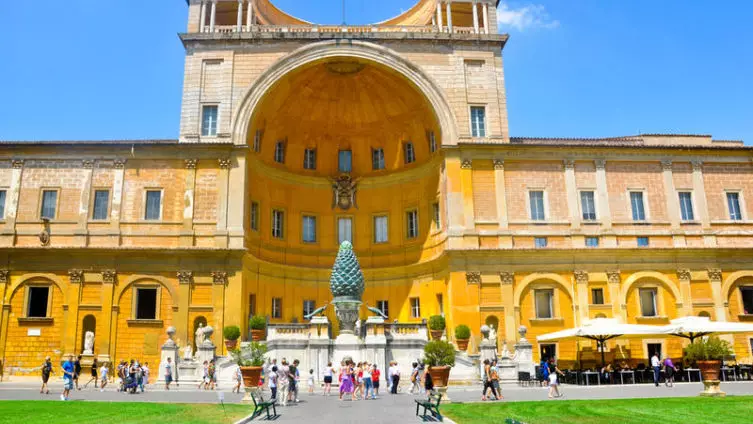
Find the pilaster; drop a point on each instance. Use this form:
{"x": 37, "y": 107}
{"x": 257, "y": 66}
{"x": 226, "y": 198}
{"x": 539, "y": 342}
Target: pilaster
{"x": 70, "y": 323}
{"x": 605, "y": 215}
{"x": 185, "y": 282}
{"x": 501, "y": 193}
{"x": 673, "y": 202}
{"x": 222, "y": 199}
{"x": 581, "y": 284}
{"x": 83, "y": 210}
{"x": 613, "y": 281}
{"x": 105, "y": 341}
{"x": 117, "y": 194}
{"x": 572, "y": 194}
{"x": 699, "y": 194}
{"x": 186, "y": 234}
{"x": 454, "y": 202}
{"x": 4, "y": 281}
{"x": 466, "y": 188}
{"x": 720, "y": 304}
{"x": 684, "y": 277}
{"x": 219, "y": 282}
{"x": 507, "y": 280}
{"x": 11, "y": 208}
{"x": 236, "y": 203}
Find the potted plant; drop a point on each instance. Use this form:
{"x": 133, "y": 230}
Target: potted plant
{"x": 439, "y": 356}
{"x": 462, "y": 335}
{"x": 250, "y": 359}
{"x": 231, "y": 333}
{"x": 436, "y": 326}
{"x": 258, "y": 325}
{"x": 707, "y": 355}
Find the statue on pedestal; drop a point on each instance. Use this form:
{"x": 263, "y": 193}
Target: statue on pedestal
{"x": 89, "y": 343}
{"x": 492, "y": 335}
{"x": 199, "y": 336}
{"x": 188, "y": 352}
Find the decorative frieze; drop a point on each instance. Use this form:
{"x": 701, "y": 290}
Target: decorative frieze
{"x": 219, "y": 277}
{"x": 473, "y": 277}
{"x": 466, "y": 164}
{"x": 76, "y": 276}
{"x": 507, "y": 277}
{"x": 613, "y": 276}
{"x": 715, "y": 274}
{"x": 109, "y": 276}
{"x": 581, "y": 276}
{"x": 185, "y": 277}
{"x": 683, "y": 274}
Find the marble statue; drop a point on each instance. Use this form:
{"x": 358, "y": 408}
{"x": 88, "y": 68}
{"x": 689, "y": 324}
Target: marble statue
{"x": 188, "y": 352}
{"x": 89, "y": 343}
{"x": 492, "y": 334}
{"x": 200, "y": 335}
{"x": 505, "y": 351}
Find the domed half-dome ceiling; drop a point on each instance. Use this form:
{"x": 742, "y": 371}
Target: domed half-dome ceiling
{"x": 344, "y": 104}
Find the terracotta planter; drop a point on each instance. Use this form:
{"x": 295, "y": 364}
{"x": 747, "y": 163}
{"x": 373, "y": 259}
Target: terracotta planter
{"x": 436, "y": 334}
{"x": 709, "y": 369}
{"x": 251, "y": 376}
{"x": 440, "y": 376}
{"x": 231, "y": 344}
{"x": 462, "y": 344}
{"x": 257, "y": 335}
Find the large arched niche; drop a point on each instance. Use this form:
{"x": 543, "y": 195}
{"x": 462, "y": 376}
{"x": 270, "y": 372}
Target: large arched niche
{"x": 344, "y": 103}
{"x": 353, "y": 50}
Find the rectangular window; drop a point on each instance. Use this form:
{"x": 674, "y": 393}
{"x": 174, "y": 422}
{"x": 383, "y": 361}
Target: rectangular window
{"x": 257, "y": 140}
{"x": 280, "y": 152}
{"x": 255, "y": 216}
{"x": 544, "y": 303}
{"x": 440, "y": 303}
{"x": 539, "y": 242}
{"x": 478, "y": 121}
{"x": 432, "y": 141}
{"x": 377, "y": 159}
{"x": 278, "y": 223}
{"x": 308, "y": 307}
{"x": 642, "y": 241}
{"x": 344, "y": 229}
{"x": 345, "y": 161}
{"x": 209, "y": 121}
{"x": 411, "y": 222}
{"x": 536, "y": 200}
{"x": 38, "y": 302}
{"x": 49, "y": 204}
{"x": 415, "y": 307}
{"x": 435, "y": 215}
{"x": 588, "y": 205}
{"x": 251, "y": 304}
{"x": 384, "y": 306}
{"x": 409, "y": 153}
{"x": 309, "y": 229}
{"x": 153, "y": 210}
{"x": 597, "y": 296}
{"x": 648, "y": 302}
{"x": 733, "y": 205}
{"x": 2, "y": 204}
{"x": 101, "y": 204}
{"x": 309, "y": 159}
{"x": 592, "y": 242}
{"x": 276, "y": 307}
{"x": 686, "y": 205}
{"x": 380, "y": 229}
{"x": 636, "y": 204}
{"x": 146, "y": 303}
{"x": 747, "y": 295}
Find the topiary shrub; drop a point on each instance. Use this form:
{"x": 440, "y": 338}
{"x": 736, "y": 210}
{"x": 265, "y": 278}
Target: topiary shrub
{"x": 251, "y": 355}
{"x": 711, "y": 349}
{"x": 231, "y": 332}
{"x": 257, "y": 323}
{"x": 438, "y": 353}
{"x": 437, "y": 323}
{"x": 462, "y": 332}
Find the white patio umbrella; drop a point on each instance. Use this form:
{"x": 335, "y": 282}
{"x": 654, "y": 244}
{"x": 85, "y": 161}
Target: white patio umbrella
{"x": 692, "y": 327}
{"x": 603, "y": 329}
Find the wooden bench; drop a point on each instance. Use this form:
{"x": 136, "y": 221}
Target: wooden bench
{"x": 260, "y": 405}
{"x": 431, "y": 405}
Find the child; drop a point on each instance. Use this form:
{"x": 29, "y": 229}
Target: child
{"x": 273, "y": 383}
{"x": 311, "y": 381}
{"x": 103, "y": 375}
{"x": 238, "y": 380}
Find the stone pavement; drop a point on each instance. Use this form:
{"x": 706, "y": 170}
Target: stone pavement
{"x": 386, "y": 409}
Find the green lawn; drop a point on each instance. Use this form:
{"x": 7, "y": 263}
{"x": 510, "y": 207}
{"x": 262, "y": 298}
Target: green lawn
{"x": 73, "y": 412}
{"x": 733, "y": 409}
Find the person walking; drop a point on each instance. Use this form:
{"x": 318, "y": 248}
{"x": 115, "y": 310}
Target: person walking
{"x": 69, "y": 370}
{"x": 103, "y": 376}
{"x": 494, "y": 376}
{"x": 367, "y": 382}
{"x": 46, "y": 371}
{"x": 554, "y": 371}
{"x": 145, "y": 372}
{"x": 212, "y": 373}
{"x": 415, "y": 379}
{"x": 168, "y": 373}
{"x": 375, "y": 374}
{"x": 346, "y": 384}
{"x": 272, "y": 382}
{"x": 238, "y": 377}
{"x": 295, "y": 380}
{"x": 486, "y": 378}
{"x": 77, "y": 371}
{"x": 656, "y": 365}
{"x": 283, "y": 382}
{"x": 358, "y": 373}
{"x": 428, "y": 382}
{"x": 94, "y": 370}
{"x": 395, "y": 378}
{"x": 669, "y": 372}
{"x": 328, "y": 371}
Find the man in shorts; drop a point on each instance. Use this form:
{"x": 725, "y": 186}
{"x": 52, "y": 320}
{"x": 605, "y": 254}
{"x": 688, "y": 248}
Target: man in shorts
{"x": 46, "y": 371}
{"x": 69, "y": 370}
{"x": 168, "y": 373}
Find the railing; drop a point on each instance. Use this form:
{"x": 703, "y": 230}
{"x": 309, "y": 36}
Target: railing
{"x": 407, "y": 331}
{"x": 351, "y": 29}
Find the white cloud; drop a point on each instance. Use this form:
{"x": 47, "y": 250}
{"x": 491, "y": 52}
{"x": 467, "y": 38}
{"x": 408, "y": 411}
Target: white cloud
{"x": 524, "y": 17}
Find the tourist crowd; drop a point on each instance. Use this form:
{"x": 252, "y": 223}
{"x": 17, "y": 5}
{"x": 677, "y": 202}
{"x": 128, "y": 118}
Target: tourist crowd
{"x": 132, "y": 376}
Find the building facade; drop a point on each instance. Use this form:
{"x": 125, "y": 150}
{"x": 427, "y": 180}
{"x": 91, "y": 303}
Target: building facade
{"x": 296, "y": 136}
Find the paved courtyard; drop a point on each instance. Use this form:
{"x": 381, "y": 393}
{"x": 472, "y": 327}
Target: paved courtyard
{"x": 386, "y": 409}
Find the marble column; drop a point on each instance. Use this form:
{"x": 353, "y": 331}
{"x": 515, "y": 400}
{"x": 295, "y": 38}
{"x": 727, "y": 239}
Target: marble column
{"x": 486, "y": 18}
{"x": 250, "y": 15}
{"x": 186, "y": 233}
{"x": 239, "y": 21}
{"x": 213, "y": 16}
{"x": 440, "y": 27}
{"x": 203, "y": 15}
{"x": 475, "y": 16}
{"x": 449, "y": 16}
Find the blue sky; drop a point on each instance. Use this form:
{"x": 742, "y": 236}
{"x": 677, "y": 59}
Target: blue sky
{"x": 90, "y": 69}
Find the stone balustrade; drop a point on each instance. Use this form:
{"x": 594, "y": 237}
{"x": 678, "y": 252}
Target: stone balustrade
{"x": 229, "y": 29}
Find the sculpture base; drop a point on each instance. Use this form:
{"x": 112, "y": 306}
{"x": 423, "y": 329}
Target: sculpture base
{"x": 247, "y": 398}
{"x": 712, "y": 389}
{"x": 347, "y": 345}
{"x": 347, "y": 315}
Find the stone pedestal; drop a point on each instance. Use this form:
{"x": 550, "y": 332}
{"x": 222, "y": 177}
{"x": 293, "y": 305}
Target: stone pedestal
{"x": 524, "y": 357}
{"x": 487, "y": 350}
{"x": 508, "y": 370}
{"x": 169, "y": 350}
{"x": 445, "y": 398}
{"x": 205, "y": 352}
{"x": 87, "y": 359}
{"x": 347, "y": 345}
{"x": 347, "y": 314}
{"x": 712, "y": 389}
